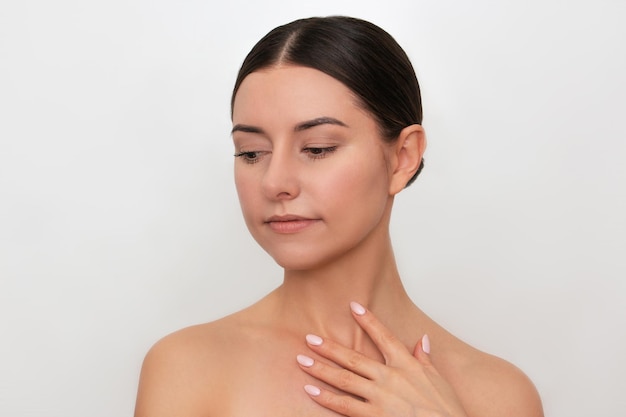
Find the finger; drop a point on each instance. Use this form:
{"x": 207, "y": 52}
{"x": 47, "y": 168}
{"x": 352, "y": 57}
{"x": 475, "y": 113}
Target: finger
{"x": 385, "y": 340}
{"x": 340, "y": 378}
{"x": 342, "y": 404}
{"x": 422, "y": 351}
{"x": 422, "y": 354}
{"x": 345, "y": 357}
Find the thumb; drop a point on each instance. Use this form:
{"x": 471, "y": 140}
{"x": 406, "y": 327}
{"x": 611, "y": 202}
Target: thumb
{"x": 422, "y": 350}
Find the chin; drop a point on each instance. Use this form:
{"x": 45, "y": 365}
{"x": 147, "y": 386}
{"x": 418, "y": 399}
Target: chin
{"x": 300, "y": 263}
{"x": 300, "y": 260}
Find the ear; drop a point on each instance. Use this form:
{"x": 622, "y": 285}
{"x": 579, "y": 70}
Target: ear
{"x": 407, "y": 156}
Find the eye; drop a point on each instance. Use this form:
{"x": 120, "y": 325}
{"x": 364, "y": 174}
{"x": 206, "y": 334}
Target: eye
{"x": 251, "y": 157}
{"x": 319, "y": 152}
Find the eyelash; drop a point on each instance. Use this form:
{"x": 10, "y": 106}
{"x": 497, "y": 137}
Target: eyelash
{"x": 252, "y": 157}
{"x": 323, "y": 152}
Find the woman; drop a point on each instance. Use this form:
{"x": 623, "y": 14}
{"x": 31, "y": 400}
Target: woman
{"x": 327, "y": 130}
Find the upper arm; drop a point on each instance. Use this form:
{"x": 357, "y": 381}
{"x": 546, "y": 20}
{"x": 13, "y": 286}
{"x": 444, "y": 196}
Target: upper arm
{"x": 171, "y": 383}
{"x": 501, "y": 389}
{"x": 518, "y": 396}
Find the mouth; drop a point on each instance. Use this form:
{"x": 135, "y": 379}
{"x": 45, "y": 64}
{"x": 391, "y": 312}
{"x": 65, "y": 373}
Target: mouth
{"x": 289, "y": 223}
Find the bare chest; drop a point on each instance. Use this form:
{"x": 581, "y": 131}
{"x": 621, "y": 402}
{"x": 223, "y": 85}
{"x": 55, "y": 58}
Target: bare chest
{"x": 267, "y": 384}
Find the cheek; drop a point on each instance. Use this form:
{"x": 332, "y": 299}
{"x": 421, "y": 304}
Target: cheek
{"x": 246, "y": 189}
{"x": 367, "y": 173}
{"x": 361, "y": 184}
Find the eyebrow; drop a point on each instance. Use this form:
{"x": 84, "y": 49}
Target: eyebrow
{"x": 246, "y": 128}
{"x": 299, "y": 127}
{"x": 317, "y": 122}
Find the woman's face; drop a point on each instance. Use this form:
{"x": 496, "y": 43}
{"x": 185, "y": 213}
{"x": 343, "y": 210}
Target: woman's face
{"x": 311, "y": 170}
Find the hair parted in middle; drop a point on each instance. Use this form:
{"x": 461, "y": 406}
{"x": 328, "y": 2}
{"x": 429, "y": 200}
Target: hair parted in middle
{"x": 359, "y": 54}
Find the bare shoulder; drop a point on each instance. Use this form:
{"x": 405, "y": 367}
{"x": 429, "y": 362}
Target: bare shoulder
{"x": 489, "y": 386}
{"x": 178, "y": 375}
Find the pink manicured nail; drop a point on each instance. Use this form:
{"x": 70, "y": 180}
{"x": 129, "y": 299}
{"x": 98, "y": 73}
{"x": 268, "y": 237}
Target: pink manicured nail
{"x": 357, "y": 308}
{"x": 312, "y": 390}
{"x": 305, "y": 360}
{"x": 313, "y": 340}
{"x": 426, "y": 343}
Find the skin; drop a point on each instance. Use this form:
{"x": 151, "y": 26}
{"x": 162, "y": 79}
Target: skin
{"x": 316, "y": 185}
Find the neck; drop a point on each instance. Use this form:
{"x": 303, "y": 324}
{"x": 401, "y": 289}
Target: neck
{"x": 317, "y": 301}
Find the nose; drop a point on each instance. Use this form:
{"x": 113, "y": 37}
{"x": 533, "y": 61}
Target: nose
{"x": 281, "y": 177}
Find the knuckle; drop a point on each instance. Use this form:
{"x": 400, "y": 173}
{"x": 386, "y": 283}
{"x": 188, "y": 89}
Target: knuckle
{"x": 428, "y": 368}
{"x": 354, "y": 361}
{"x": 396, "y": 378}
{"x": 345, "y": 379}
{"x": 342, "y": 405}
{"x": 385, "y": 338}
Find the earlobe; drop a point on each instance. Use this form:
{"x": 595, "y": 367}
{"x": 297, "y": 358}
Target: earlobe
{"x": 409, "y": 150}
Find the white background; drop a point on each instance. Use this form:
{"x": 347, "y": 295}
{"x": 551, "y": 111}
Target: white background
{"x": 119, "y": 221}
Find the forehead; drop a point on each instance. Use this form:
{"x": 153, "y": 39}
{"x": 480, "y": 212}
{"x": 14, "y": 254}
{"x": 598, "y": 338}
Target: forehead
{"x": 293, "y": 94}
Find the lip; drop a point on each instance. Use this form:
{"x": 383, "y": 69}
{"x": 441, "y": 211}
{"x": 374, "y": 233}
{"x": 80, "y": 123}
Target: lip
{"x": 289, "y": 223}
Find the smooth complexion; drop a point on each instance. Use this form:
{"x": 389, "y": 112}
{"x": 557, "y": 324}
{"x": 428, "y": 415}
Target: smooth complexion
{"x": 316, "y": 184}
{"x": 311, "y": 171}
{"x": 309, "y": 154}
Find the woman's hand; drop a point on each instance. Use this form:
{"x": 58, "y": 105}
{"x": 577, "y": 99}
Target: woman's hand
{"x": 406, "y": 385}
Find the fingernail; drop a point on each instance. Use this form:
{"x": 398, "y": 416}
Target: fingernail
{"x": 313, "y": 340}
{"x": 426, "y": 343}
{"x": 312, "y": 390}
{"x": 305, "y": 360}
{"x": 357, "y": 308}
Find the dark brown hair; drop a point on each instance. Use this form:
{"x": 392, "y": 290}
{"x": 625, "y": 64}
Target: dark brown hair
{"x": 357, "y": 53}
